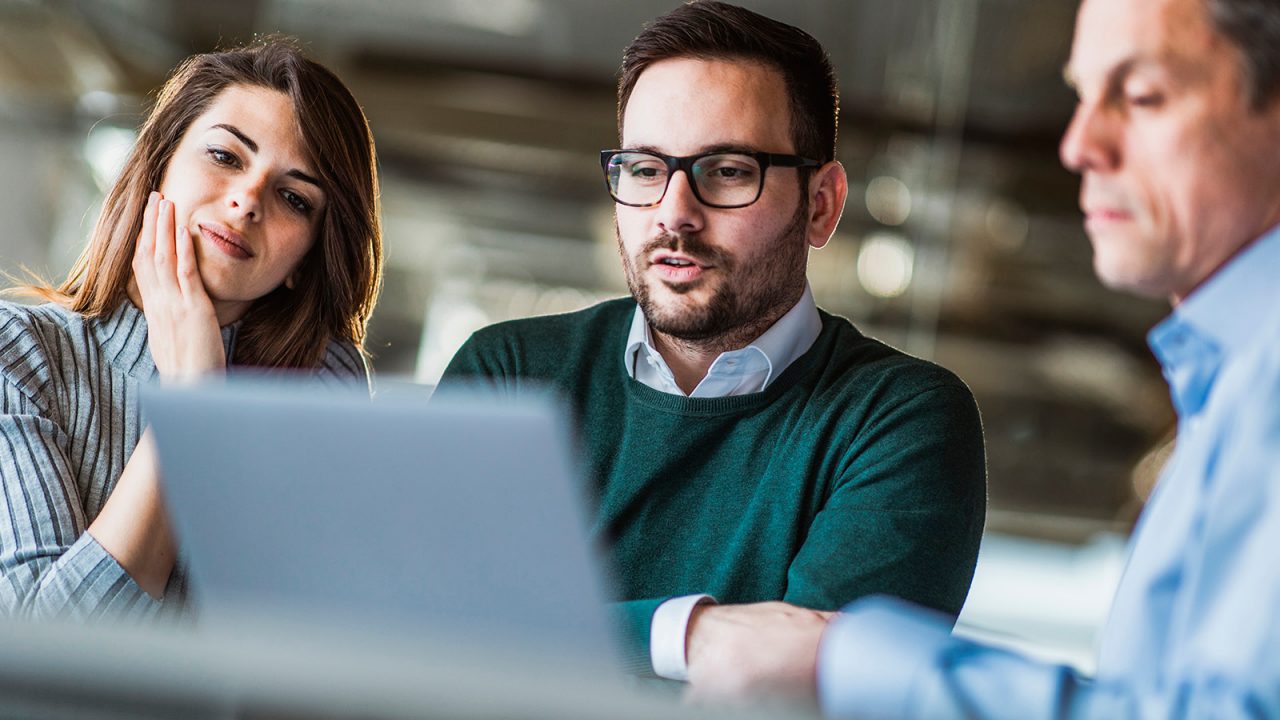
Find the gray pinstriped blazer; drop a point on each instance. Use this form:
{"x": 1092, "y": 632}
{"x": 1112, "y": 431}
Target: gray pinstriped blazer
{"x": 69, "y": 420}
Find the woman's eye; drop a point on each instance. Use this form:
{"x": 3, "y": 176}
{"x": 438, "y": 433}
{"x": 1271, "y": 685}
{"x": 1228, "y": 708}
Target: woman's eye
{"x": 222, "y": 157}
{"x": 297, "y": 202}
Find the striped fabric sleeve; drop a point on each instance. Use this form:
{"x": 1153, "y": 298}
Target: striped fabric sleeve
{"x": 345, "y": 364}
{"x": 50, "y": 567}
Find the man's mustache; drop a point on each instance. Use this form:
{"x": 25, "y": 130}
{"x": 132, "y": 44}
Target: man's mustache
{"x": 687, "y": 244}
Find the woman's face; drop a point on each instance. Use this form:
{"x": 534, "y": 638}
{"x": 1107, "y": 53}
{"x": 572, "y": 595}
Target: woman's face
{"x": 241, "y": 184}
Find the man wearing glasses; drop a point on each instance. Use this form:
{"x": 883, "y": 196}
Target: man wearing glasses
{"x": 743, "y": 445}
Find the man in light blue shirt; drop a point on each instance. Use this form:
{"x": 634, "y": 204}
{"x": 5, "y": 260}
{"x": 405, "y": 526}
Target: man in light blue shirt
{"x": 1177, "y": 137}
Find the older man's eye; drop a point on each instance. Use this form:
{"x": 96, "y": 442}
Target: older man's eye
{"x": 1144, "y": 99}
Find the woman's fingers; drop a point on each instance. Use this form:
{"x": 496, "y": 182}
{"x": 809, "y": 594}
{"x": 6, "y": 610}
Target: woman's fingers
{"x": 182, "y": 325}
{"x": 173, "y": 266}
{"x": 165, "y": 253}
{"x": 188, "y": 269}
{"x": 144, "y": 251}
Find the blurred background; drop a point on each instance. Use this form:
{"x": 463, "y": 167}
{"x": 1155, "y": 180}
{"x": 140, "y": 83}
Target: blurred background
{"x": 961, "y": 241}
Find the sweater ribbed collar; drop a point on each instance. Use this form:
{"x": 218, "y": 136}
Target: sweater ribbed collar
{"x": 812, "y": 361}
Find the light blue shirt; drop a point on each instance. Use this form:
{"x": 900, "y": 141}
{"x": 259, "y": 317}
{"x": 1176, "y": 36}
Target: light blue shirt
{"x": 1195, "y": 628}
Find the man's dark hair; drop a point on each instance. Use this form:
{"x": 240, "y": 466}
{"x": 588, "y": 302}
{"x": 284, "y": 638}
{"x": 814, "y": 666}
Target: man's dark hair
{"x": 1253, "y": 26}
{"x": 708, "y": 30}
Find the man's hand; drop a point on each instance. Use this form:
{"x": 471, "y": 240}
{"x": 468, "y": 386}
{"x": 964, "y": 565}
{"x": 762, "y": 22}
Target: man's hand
{"x": 743, "y": 651}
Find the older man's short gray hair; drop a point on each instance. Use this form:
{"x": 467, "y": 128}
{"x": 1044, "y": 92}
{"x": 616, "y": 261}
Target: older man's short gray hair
{"x": 1253, "y": 26}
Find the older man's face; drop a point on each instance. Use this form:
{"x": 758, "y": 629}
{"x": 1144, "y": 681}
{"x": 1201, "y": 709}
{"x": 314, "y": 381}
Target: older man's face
{"x": 1179, "y": 172}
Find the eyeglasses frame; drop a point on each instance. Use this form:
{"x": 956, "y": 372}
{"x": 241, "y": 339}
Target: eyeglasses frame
{"x": 764, "y": 159}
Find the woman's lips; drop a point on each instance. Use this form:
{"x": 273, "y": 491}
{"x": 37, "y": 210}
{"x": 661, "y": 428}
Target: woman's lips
{"x": 226, "y": 241}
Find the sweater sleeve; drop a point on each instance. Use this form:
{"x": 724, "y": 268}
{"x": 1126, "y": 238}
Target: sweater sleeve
{"x": 50, "y": 567}
{"x": 480, "y": 362}
{"x": 632, "y": 619}
{"x": 906, "y": 512}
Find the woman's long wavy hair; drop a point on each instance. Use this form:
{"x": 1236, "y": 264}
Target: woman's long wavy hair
{"x": 336, "y": 284}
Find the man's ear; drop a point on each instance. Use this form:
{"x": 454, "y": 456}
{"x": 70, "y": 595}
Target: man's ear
{"x": 828, "y": 189}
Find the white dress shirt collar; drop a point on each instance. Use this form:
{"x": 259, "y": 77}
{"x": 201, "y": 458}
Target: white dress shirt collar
{"x": 735, "y": 372}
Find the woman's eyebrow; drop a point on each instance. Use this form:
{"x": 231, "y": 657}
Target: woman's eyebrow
{"x": 248, "y": 142}
{"x": 295, "y": 173}
{"x": 253, "y": 147}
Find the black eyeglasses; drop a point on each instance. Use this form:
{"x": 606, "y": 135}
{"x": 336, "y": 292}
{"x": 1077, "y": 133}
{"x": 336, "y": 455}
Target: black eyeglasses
{"x": 719, "y": 179}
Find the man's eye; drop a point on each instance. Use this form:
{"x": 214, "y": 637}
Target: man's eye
{"x": 730, "y": 172}
{"x": 1145, "y": 101}
{"x": 646, "y": 173}
{"x": 1142, "y": 97}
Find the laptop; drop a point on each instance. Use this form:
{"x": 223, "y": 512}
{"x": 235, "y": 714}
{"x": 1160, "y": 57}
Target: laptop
{"x": 459, "y": 519}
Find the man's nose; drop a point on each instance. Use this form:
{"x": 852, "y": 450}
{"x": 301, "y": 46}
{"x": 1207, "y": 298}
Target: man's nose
{"x": 1089, "y": 142}
{"x": 680, "y": 210}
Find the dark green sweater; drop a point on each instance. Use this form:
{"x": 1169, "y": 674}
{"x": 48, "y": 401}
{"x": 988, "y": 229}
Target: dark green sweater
{"x": 859, "y": 470}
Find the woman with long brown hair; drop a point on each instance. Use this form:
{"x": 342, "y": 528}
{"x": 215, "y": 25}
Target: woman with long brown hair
{"x": 243, "y": 231}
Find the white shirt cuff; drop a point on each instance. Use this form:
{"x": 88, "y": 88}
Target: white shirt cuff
{"x": 668, "y": 633}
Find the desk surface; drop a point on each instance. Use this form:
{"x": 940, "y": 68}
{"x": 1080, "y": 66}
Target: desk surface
{"x": 76, "y": 671}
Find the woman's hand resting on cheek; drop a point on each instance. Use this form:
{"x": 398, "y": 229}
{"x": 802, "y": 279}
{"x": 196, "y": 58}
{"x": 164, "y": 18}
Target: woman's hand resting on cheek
{"x": 182, "y": 326}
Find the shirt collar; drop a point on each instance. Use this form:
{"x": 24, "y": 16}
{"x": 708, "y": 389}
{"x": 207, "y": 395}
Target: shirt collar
{"x": 1240, "y": 298}
{"x": 791, "y": 336}
{"x": 1220, "y": 319}
{"x": 637, "y": 338}
{"x": 784, "y": 342}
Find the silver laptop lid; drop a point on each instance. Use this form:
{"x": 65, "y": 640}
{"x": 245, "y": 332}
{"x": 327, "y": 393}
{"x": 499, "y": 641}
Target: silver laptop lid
{"x": 459, "y": 518}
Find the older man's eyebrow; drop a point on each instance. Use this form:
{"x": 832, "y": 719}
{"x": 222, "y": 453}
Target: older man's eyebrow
{"x": 1173, "y": 67}
{"x": 1113, "y": 80}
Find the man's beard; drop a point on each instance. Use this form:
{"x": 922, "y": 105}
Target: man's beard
{"x": 750, "y": 297}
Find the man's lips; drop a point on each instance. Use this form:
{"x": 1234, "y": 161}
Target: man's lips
{"x": 227, "y": 240}
{"x": 677, "y": 267}
{"x": 666, "y": 257}
{"x": 1098, "y": 217}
